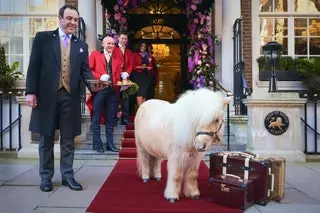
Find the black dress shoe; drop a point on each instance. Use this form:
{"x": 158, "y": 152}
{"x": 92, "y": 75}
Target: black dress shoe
{"x": 112, "y": 149}
{"x": 46, "y": 185}
{"x": 98, "y": 148}
{"x": 72, "y": 184}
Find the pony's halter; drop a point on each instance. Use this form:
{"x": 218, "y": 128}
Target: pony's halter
{"x": 210, "y": 133}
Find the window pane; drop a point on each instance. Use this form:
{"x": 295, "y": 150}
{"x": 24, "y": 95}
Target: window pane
{"x": 16, "y": 26}
{"x": 50, "y": 23}
{"x": 306, "y": 5}
{"x": 281, "y": 6}
{"x": 4, "y": 42}
{"x": 19, "y": 58}
{"x": 281, "y": 27}
{"x": 43, "y": 6}
{"x": 300, "y": 27}
{"x": 266, "y": 5}
{"x": 301, "y": 47}
{"x": 314, "y": 27}
{"x": 266, "y": 27}
{"x": 13, "y": 6}
{"x": 273, "y": 5}
{"x": 35, "y": 25}
{"x": 4, "y": 27}
{"x": 30, "y": 43}
{"x": 315, "y": 46}
{"x": 16, "y": 45}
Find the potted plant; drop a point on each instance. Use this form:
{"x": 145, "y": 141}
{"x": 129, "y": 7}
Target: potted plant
{"x": 310, "y": 70}
{"x": 8, "y": 75}
{"x": 287, "y": 70}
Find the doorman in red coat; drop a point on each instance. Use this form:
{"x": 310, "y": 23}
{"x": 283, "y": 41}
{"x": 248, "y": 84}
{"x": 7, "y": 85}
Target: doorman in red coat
{"x": 124, "y": 63}
{"x": 103, "y": 65}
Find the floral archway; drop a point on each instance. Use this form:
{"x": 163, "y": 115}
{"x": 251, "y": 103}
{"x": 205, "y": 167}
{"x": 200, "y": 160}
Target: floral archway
{"x": 201, "y": 62}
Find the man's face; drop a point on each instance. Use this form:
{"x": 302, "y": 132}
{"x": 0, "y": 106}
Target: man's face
{"x": 108, "y": 44}
{"x": 69, "y": 21}
{"x": 123, "y": 39}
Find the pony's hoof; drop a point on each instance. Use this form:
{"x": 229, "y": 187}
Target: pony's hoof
{"x": 196, "y": 197}
{"x": 145, "y": 180}
{"x": 172, "y": 200}
{"x": 158, "y": 179}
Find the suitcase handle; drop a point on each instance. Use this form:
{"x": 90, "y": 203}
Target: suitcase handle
{"x": 243, "y": 154}
{"x": 235, "y": 176}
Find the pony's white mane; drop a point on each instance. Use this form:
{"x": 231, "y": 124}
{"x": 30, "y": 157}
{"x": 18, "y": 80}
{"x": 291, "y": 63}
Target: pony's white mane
{"x": 192, "y": 110}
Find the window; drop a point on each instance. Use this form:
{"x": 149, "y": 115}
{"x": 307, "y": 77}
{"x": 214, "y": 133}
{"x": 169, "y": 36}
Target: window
{"x": 20, "y": 20}
{"x": 293, "y": 23}
{"x": 157, "y": 32}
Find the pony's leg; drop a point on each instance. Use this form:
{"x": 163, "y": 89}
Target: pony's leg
{"x": 157, "y": 169}
{"x": 143, "y": 163}
{"x": 175, "y": 177}
{"x": 190, "y": 188}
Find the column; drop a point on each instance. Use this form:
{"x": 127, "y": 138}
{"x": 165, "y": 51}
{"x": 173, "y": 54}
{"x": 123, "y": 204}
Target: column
{"x": 231, "y": 10}
{"x": 87, "y": 10}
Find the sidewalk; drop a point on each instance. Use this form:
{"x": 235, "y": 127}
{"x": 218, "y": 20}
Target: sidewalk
{"x": 20, "y": 193}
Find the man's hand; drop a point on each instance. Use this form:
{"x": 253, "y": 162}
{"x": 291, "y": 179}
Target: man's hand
{"x": 123, "y": 88}
{"x": 104, "y": 77}
{"x": 31, "y": 100}
{"x": 124, "y": 75}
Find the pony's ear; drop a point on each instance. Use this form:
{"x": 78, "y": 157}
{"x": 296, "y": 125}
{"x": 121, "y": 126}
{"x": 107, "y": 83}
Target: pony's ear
{"x": 227, "y": 100}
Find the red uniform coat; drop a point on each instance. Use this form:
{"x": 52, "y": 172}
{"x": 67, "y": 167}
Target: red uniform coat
{"x": 98, "y": 66}
{"x": 137, "y": 59}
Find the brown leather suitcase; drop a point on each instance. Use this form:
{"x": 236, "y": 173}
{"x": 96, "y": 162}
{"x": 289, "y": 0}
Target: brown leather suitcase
{"x": 231, "y": 191}
{"x": 278, "y": 168}
{"x": 248, "y": 167}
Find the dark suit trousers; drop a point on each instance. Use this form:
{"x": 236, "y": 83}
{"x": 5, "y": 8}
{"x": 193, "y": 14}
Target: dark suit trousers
{"x": 104, "y": 100}
{"x": 63, "y": 119}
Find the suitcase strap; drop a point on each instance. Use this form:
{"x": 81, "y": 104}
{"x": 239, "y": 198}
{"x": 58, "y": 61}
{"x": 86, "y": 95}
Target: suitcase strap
{"x": 246, "y": 166}
{"x": 271, "y": 182}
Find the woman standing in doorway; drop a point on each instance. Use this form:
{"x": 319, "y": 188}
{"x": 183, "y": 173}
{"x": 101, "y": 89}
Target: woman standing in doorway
{"x": 140, "y": 74}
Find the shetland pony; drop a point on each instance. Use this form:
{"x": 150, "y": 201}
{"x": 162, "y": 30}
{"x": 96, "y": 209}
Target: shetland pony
{"x": 180, "y": 133}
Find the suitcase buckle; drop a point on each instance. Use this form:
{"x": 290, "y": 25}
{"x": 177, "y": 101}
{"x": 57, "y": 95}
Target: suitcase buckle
{"x": 224, "y": 188}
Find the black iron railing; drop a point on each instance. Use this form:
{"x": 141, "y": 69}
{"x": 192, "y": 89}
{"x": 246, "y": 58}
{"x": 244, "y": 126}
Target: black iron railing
{"x": 82, "y": 36}
{"x": 311, "y": 131}
{"x": 10, "y": 123}
{"x": 240, "y": 89}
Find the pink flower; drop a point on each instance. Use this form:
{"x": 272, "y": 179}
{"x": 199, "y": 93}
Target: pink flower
{"x": 106, "y": 15}
{"x": 115, "y": 7}
{"x": 117, "y": 16}
{"x": 196, "y": 20}
{"x": 193, "y": 7}
{"x": 123, "y": 20}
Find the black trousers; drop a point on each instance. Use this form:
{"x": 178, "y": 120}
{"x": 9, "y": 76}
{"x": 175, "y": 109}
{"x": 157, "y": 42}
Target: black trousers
{"x": 63, "y": 118}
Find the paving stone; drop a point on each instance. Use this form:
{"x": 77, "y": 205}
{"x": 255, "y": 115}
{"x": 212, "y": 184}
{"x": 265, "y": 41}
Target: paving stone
{"x": 295, "y": 196}
{"x": 60, "y": 210}
{"x": 91, "y": 179}
{"x": 252, "y": 209}
{"x": 273, "y": 207}
{"x": 19, "y": 199}
{"x": 101, "y": 162}
{"x": 8, "y": 172}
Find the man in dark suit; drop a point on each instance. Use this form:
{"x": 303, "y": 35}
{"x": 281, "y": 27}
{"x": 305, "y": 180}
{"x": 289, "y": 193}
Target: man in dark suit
{"x": 58, "y": 62}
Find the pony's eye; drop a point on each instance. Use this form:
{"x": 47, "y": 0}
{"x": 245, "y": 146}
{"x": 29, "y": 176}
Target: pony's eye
{"x": 217, "y": 120}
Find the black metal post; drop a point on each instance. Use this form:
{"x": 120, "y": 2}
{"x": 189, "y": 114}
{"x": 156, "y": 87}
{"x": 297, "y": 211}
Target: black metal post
{"x": 305, "y": 128}
{"x": 315, "y": 127}
{"x": 19, "y": 117}
{"x": 273, "y": 82}
{"x": 10, "y": 120}
{"x": 1, "y": 120}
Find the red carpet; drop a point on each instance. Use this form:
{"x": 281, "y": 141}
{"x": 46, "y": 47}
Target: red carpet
{"x": 128, "y": 145}
{"x": 124, "y": 192}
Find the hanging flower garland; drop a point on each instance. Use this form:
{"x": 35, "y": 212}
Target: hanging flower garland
{"x": 201, "y": 59}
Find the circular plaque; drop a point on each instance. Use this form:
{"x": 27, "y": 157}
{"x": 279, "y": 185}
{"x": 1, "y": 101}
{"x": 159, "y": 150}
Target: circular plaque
{"x": 276, "y": 122}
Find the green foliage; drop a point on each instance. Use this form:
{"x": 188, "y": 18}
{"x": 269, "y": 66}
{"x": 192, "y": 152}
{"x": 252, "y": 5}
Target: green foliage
{"x": 8, "y": 75}
{"x": 310, "y": 70}
{"x": 286, "y": 63}
{"x": 130, "y": 91}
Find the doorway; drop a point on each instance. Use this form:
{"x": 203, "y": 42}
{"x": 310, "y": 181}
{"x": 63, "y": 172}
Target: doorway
{"x": 164, "y": 25}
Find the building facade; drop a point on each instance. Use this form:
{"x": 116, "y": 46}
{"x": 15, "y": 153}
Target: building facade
{"x": 295, "y": 24}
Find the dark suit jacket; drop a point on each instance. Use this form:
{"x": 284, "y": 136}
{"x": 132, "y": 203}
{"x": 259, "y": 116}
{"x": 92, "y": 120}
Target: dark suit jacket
{"x": 43, "y": 80}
